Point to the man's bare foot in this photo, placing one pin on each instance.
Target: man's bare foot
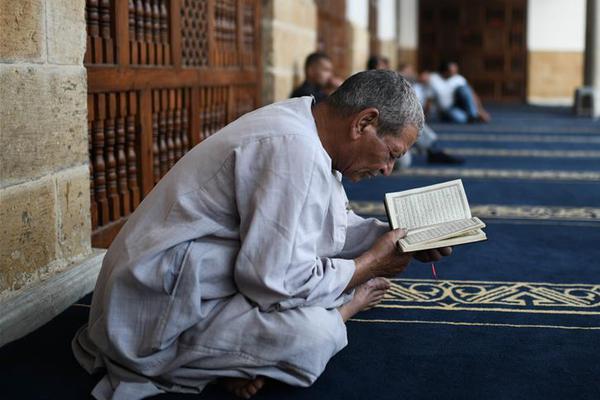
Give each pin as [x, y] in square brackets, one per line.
[366, 296]
[244, 388]
[484, 116]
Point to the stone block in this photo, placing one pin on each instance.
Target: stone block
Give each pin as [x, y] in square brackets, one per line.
[283, 85]
[554, 74]
[28, 232]
[301, 13]
[22, 33]
[291, 46]
[389, 49]
[74, 221]
[408, 56]
[358, 47]
[43, 119]
[66, 31]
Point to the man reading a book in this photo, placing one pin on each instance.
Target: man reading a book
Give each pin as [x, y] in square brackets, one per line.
[244, 263]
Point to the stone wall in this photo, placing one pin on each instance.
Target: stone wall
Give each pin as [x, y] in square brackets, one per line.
[358, 49]
[408, 56]
[289, 35]
[408, 24]
[554, 76]
[44, 186]
[389, 49]
[555, 56]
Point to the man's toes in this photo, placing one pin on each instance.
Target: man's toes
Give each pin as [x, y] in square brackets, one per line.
[258, 383]
[241, 392]
[377, 294]
[380, 284]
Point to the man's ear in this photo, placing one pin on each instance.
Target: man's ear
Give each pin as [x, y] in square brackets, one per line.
[364, 121]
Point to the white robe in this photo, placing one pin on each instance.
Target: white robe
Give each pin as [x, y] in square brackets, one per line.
[232, 266]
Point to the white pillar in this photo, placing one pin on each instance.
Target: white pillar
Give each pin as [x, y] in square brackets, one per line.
[591, 74]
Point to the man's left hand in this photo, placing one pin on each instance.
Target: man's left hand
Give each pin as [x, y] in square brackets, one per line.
[433, 255]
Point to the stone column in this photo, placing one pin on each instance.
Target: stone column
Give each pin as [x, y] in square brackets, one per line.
[591, 76]
[387, 32]
[289, 34]
[357, 15]
[408, 21]
[44, 177]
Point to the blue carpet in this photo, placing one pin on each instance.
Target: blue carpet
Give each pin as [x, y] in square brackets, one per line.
[482, 191]
[564, 164]
[524, 145]
[516, 317]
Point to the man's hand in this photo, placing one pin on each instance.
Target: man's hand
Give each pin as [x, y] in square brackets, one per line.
[433, 254]
[384, 258]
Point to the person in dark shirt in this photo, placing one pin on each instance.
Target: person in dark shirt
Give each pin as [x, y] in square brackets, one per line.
[318, 71]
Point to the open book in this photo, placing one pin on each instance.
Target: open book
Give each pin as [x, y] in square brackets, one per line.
[434, 216]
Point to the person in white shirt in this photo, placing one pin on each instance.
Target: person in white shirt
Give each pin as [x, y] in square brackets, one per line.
[455, 100]
[426, 143]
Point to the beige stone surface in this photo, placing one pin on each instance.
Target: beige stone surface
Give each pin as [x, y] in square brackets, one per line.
[22, 31]
[302, 13]
[389, 49]
[277, 86]
[43, 120]
[66, 31]
[283, 86]
[28, 232]
[408, 56]
[554, 74]
[289, 34]
[291, 47]
[73, 209]
[358, 47]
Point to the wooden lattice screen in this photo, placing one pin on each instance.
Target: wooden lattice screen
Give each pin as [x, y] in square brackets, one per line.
[162, 75]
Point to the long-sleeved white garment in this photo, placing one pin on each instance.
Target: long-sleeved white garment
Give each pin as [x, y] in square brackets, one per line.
[232, 266]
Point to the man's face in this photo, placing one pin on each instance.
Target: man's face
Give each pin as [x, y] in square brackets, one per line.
[321, 72]
[371, 155]
[452, 69]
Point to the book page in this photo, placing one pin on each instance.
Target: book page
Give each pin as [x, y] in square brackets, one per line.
[442, 231]
[476, 235]
[428, 205]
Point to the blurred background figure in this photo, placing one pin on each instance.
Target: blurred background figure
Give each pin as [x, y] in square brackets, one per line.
[318, 72]
[378, 62]
[454, 98]
[426, 143]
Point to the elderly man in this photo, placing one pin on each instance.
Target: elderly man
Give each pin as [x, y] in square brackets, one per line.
[244, 262]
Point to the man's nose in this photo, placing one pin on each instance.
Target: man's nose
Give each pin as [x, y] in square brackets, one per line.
[387, 170]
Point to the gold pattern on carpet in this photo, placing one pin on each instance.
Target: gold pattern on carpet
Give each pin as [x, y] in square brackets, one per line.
[527, 297]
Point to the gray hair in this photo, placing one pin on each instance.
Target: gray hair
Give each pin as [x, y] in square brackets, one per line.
[388, 92]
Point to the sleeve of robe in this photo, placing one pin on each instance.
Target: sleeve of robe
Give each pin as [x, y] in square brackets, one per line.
[282, 194]
[361, 233]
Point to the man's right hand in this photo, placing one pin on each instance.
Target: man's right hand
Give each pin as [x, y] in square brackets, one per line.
[384, 258]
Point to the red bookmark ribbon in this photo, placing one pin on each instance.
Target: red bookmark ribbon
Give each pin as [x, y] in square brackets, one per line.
[433, 272]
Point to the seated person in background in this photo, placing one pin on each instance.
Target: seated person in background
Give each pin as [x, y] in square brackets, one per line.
[455, 99]
[334, 83]
[378, 62]
[427, 139]
[318, 71]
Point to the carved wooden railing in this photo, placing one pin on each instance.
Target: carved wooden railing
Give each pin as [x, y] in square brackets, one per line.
[162, 76]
